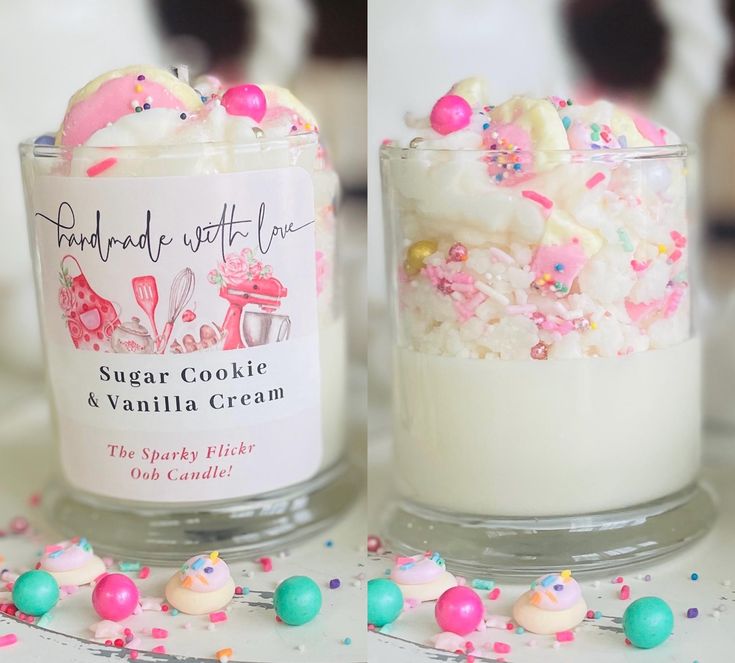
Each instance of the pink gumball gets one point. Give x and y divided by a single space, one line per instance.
459 610
450 113
247 100
115 597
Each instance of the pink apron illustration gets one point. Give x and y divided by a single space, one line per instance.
90 318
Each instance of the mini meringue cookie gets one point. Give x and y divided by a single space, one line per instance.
72 562
202 585
422 577
554 603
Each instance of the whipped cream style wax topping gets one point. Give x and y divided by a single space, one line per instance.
540 260
178 286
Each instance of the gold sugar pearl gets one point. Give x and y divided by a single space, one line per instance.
417 253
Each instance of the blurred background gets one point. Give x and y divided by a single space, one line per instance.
671 58
52 48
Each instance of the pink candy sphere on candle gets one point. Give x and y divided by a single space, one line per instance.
248 100
450 113
459 610
115 597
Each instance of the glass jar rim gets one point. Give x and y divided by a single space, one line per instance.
29 147
678 150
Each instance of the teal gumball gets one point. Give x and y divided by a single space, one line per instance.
35 592
647 622
385 601
297 600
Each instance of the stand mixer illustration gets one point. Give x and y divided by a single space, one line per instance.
249 328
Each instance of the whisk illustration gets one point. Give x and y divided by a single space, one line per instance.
182 289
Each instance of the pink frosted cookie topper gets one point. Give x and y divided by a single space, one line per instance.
110 101
556 267
204 573
417 569
67 555
555 591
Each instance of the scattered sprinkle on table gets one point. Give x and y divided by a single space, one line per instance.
8 639
692 613
694 576
334 583
481 583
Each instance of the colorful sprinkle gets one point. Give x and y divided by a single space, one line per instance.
334 583
594 180
694 576
537 198
692 613
101 167
480 583
501 647
8 639
216 617
565 636
225 653
159 633
624 592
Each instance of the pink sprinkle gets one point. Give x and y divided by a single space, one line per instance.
220 616
501 647
8 639
238 590
159 633
639 266
679 240
133 655
159 649
618 580
470 658
266 563
565 636
672 303
493 595
675 255
537 198
624 592
469 647
101 166
18 525
590 614
594 180
144 572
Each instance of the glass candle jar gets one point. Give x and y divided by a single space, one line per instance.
546 383
194 339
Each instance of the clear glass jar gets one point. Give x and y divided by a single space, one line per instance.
222 425
547 376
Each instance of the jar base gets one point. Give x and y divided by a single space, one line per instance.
169 534
505 547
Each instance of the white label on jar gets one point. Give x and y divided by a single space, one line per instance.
181 332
